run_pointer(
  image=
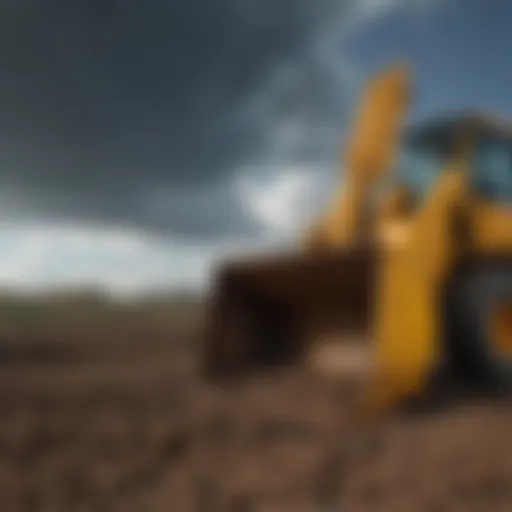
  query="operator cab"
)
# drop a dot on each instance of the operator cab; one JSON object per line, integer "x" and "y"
{"x": 428, "y": 148}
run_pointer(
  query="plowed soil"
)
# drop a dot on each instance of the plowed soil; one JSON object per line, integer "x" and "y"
{"x": 102, "y": 425}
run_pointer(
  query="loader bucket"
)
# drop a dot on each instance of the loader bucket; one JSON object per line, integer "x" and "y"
{"x": 269, "y": 311}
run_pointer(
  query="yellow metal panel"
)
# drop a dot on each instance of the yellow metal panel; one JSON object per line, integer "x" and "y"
{"x": 369, "y": 152}
{"x": 491, "y": 227}
{"x": 407, "y": 324}
{"x": 372, "y": 144}
{"x": 392, "y": 216}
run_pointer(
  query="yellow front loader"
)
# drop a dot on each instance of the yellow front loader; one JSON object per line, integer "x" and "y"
{"x": 415, "y": 251}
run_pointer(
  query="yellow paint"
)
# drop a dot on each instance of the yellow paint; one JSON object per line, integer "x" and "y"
{"x": 391, "y": 223}
{"x": 418, "y": 245}
{"x": 372, "y": 144}
{"x": 369, "y": 153}
{"x": 491, "y": 227}
{"x": 407, "y": 324}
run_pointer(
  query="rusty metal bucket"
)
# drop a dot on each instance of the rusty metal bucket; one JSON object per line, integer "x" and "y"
{"x": 270, "y": 311}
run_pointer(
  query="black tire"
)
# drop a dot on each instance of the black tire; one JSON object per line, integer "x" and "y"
{"x": 470, "y": 350}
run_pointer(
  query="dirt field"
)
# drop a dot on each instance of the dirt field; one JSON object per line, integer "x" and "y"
{"x": 111, "y": 416}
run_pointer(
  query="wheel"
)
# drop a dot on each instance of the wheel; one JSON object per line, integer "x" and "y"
{"x": 478, "y": 323}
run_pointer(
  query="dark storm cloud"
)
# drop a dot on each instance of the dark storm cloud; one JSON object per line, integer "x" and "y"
{"x": 103, "y": 103}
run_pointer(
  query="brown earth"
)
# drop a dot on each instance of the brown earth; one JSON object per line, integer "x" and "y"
{"x": 118, "y": 420}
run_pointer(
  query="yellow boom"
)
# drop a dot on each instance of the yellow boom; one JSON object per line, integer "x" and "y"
{"x": 369, "y": 152}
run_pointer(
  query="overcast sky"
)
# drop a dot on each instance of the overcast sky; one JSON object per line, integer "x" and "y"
{"x": 141, "y": 140}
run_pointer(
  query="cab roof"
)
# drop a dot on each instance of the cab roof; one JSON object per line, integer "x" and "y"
{"x": 447, "y": 126}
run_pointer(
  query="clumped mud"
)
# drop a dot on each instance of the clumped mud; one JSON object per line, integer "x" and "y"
{"x": 103, "y": 425}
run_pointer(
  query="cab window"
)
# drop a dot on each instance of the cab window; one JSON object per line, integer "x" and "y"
{"x": 422, "y": 159}
{"x": 419, "y": 168}
{"x": 491, "y": 174}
